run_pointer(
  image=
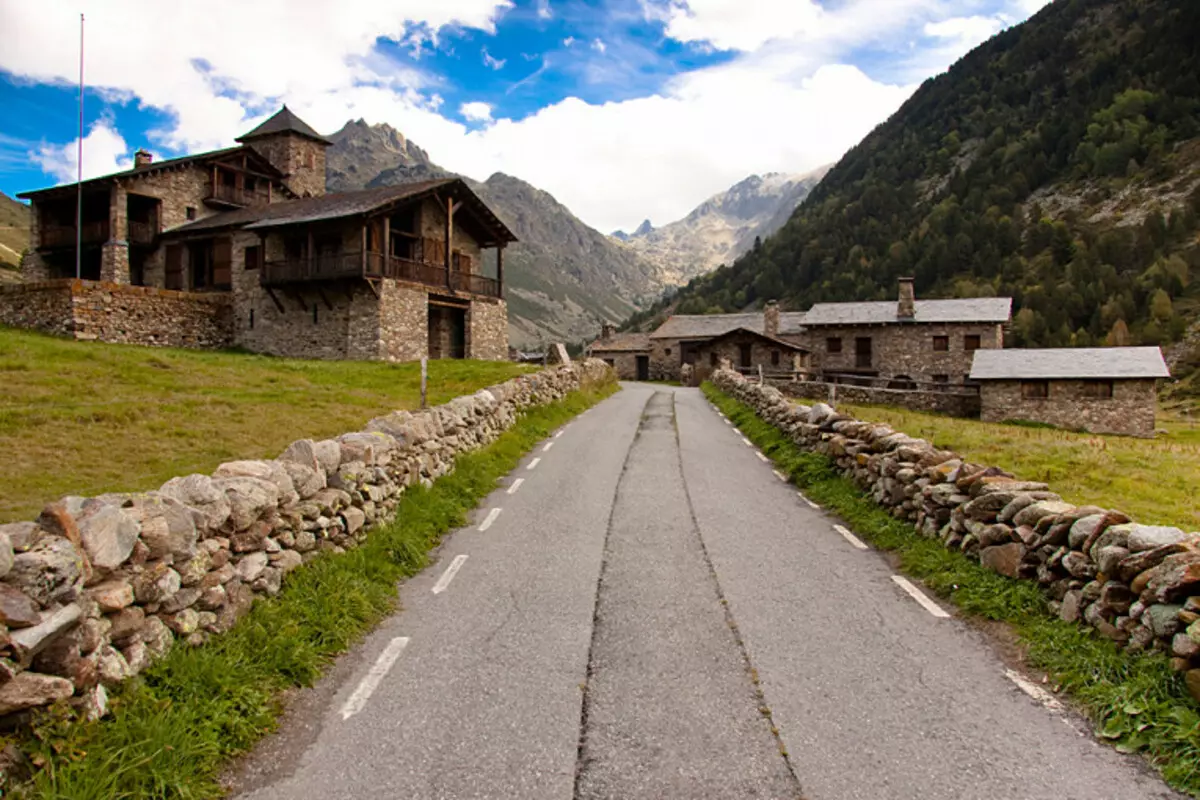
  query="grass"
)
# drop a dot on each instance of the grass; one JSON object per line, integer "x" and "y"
{"x": 1152, "y": 480}
{"x": 88, "y": 418}
{"x": 174, "y": 728}
{"x": 1137, "y": 702}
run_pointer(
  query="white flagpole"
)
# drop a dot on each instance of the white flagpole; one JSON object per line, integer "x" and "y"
{"x": 79, "y": 168}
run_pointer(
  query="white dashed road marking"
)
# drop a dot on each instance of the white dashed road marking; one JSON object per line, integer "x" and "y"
{"x": 850, "y": 537}
{"x": 761, "y": 456}
{"x": 727, "y": 422}
{"x": 780, "y": 475}
{"x": 1033, "y": 690}
{"x": 811, "y": 504}
{"x": 548, "y": 446}
{"x": 534, "y": 463}
{"x": 747, "y": 442}
{"x": 515, "y": 485}
{"x": 489, "y": 519}
{"x": 449, "y": 574}
{"x": 560, "y": 433}
{"x": 916, "y": 594}
{"x": 369, "y": 683}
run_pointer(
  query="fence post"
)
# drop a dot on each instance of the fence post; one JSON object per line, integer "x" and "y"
{"x": 833, "y": 395}
{"x": 760, "y": 375}
{"x": 424, "y": 379}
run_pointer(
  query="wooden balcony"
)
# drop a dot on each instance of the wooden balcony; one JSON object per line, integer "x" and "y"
{"x": 374, "y": 266}
{"x": 222, "y": 195}
{"x": 64, "y": 235}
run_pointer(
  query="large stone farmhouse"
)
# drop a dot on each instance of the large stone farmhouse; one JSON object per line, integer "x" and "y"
{"x": 243, "y": 247}
{"x": 902, "y": 342}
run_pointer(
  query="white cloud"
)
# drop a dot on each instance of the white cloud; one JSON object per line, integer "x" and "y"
{"x": 476, "y": 112}
{"x": 599, "y": 46}
{"x": 567, "y": 42}
{"x": 104, "y": 152}
{"x": 543, "y": 9}
{"x": 967, "y": 30}
{"x": 492, "y": 62}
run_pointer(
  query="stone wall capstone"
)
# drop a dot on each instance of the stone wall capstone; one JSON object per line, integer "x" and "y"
{"x": 1138, "y": 585}
{"x": 97, "y": 588}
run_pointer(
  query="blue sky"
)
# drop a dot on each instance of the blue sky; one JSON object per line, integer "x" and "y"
{"x": 623, "y": 109}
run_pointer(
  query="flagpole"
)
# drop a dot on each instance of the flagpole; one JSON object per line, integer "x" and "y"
{"x": 79, "y": 168}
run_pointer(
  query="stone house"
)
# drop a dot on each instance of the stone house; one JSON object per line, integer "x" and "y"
{"x": 900, "y": 344}
{"x": 905, "y": 342}
{"x": 748, "y": 351}
{"x": 1099, "y": 389}
{"x": 627, "y": 353}
{"x": 245, "y": 241}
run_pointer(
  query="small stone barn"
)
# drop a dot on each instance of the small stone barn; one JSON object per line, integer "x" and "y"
{"x": 1101, "y": 389}
{"x": 627, "y": 353}
{"x": 749, "y": 350}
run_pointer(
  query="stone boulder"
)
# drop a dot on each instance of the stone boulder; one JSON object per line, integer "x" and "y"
{"x": 16, "y": 609}
{"x": 269, "y": 471}
{"x": 248, "y": 498}
{"x": 50, "y": 571}
{"x": 1003, "y": 558}
{"x": 201, "y": 493}
{"x": 1149, "y": 537}
{"x": 1042, "y": 508}
{"x": 31, "y": 689}
{"x": 108, "y": 535}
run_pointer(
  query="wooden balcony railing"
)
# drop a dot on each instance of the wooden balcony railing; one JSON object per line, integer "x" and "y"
{"x": 226, "y": 195}
{"x": 375, "y": 265}
{"x": 64, "y": 235}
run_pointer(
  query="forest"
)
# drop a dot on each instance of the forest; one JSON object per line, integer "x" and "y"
{"x": 1058, "y": 163}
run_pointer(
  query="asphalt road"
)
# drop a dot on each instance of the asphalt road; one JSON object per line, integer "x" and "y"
{"x": 644, "y": 610}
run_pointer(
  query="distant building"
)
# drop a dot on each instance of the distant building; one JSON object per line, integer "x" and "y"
{"x": 1101, "y": 389}
{"x": 627, "y": 353}
{"x": 901, "y": 343}
{"x": 242, "y": 246}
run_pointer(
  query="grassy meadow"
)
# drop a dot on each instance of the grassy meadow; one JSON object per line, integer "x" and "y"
{"x": 87, "y": 418}
{"x": 1153, "y": 480}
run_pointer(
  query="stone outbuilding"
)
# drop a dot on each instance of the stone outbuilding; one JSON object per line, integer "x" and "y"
{"x": 627, "y": 353}
{"x": 243, "y": 247}
{"x": 1100, "y": 389}
{"x": 749, "y": 351}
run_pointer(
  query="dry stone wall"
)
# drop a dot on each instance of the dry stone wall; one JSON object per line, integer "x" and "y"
{"x": 1138, "y": 585}
{"x": 97, "y": 588}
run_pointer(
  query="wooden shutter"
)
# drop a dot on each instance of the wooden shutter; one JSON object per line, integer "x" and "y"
{"x": 464, "y": 263}
{"x": 222, "y": 263}
{"x": 174, "y": 268}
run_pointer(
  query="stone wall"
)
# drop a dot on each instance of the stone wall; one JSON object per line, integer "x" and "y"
{"x": 1129, "y": 411}
{"x": 957, "y": 404}
{"x": 901, "y": 349}
{"x": 97, "y": 588}
{"x": 403, "y": 321}
{"x": 624, "y": 362}
{"x": 109, "y": 312}
{"x": 487, "y": 330}
{"x": 1138, "y": 585}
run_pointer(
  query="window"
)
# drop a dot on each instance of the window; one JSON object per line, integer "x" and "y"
{"x": 775, "y": 358}
{"x": 610, "y": 362}
{"x": 190, "y": 212}
{"x": 310, "y": 160}
{"x": 668, "y": 351}
{"x": 941, "y": 378}
{"x": 253, "y": 257}
{"x": 862, "y": 352}
{"x": 712, "y": 358}
{"x": 745, "y": 354}
{"x": 971, "y": 342}
{"x": 833, "y": 345}
{"x": 316, "y": 320}
{"x": 941, "y": 344}
{"x": 1035, "y": 390}
{"x": 1098, "y": 390}
{"x": 252, "y": 319}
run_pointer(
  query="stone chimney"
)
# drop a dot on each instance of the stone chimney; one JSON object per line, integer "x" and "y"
{"x": 142, "y": 158}
{"x": 607, "y": 331}
{"x": 771, "y": 319}
{"x": 907, "y": 307}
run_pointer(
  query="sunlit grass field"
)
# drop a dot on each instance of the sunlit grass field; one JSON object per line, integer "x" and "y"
{"x": 86, "y": 418}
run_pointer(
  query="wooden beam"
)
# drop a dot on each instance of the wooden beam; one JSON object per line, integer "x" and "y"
{"x": 500, "y": 267}
{"x": 387, "y": 241}
{"x": 449, "y": 241}
{"x": 274, "y": 299}
{"x": 299, "y": 295}
{"x": 374, "y": 289}
{"x": 321, "y": 293}
{"x": 308, "y": 254}
{"x": 364, "y": 247}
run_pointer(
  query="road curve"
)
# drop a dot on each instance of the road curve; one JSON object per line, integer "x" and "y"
{"x": 643, "y": 609}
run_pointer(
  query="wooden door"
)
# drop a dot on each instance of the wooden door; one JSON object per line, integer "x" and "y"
{"x": 643, "y": 368}
{"x": 862, "y": 352}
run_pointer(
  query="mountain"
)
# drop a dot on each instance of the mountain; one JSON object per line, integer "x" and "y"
{"x": 1058, "y": 162}
{"x": 723, "y": 227}
{"x": 564, "y": 279}
{"x": 361, "y": 151}
{"x": 14, "y": 236}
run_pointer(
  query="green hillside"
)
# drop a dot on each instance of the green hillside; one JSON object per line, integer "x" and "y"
{"x": 14, "y": 236}
{"x": 1056, "y": 163}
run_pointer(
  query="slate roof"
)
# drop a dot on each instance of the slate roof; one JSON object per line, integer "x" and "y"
{"x": 621, "y": 342}
{"x": 974, "y": 309}
{"x": 340, "y": 205}
{"x": 283, "y": 121}
{"x": 708, "y": 326}
{"x": 1069, "y": 362}
{"x": 155, "y": 166}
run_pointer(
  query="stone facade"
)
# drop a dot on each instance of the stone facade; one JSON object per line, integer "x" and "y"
{"x": 1074, "y": 404}
{"x": 403, "y": 322}
{"x": 487, "y": 330}
{"x": 97, "y": 589}
{"x": 763, "y": 353}
{"x": 112, "y": 312}
{"x": 1138, "y": 585}
{"x": 299, "y": 158}
{"x": 901, "y": 349}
